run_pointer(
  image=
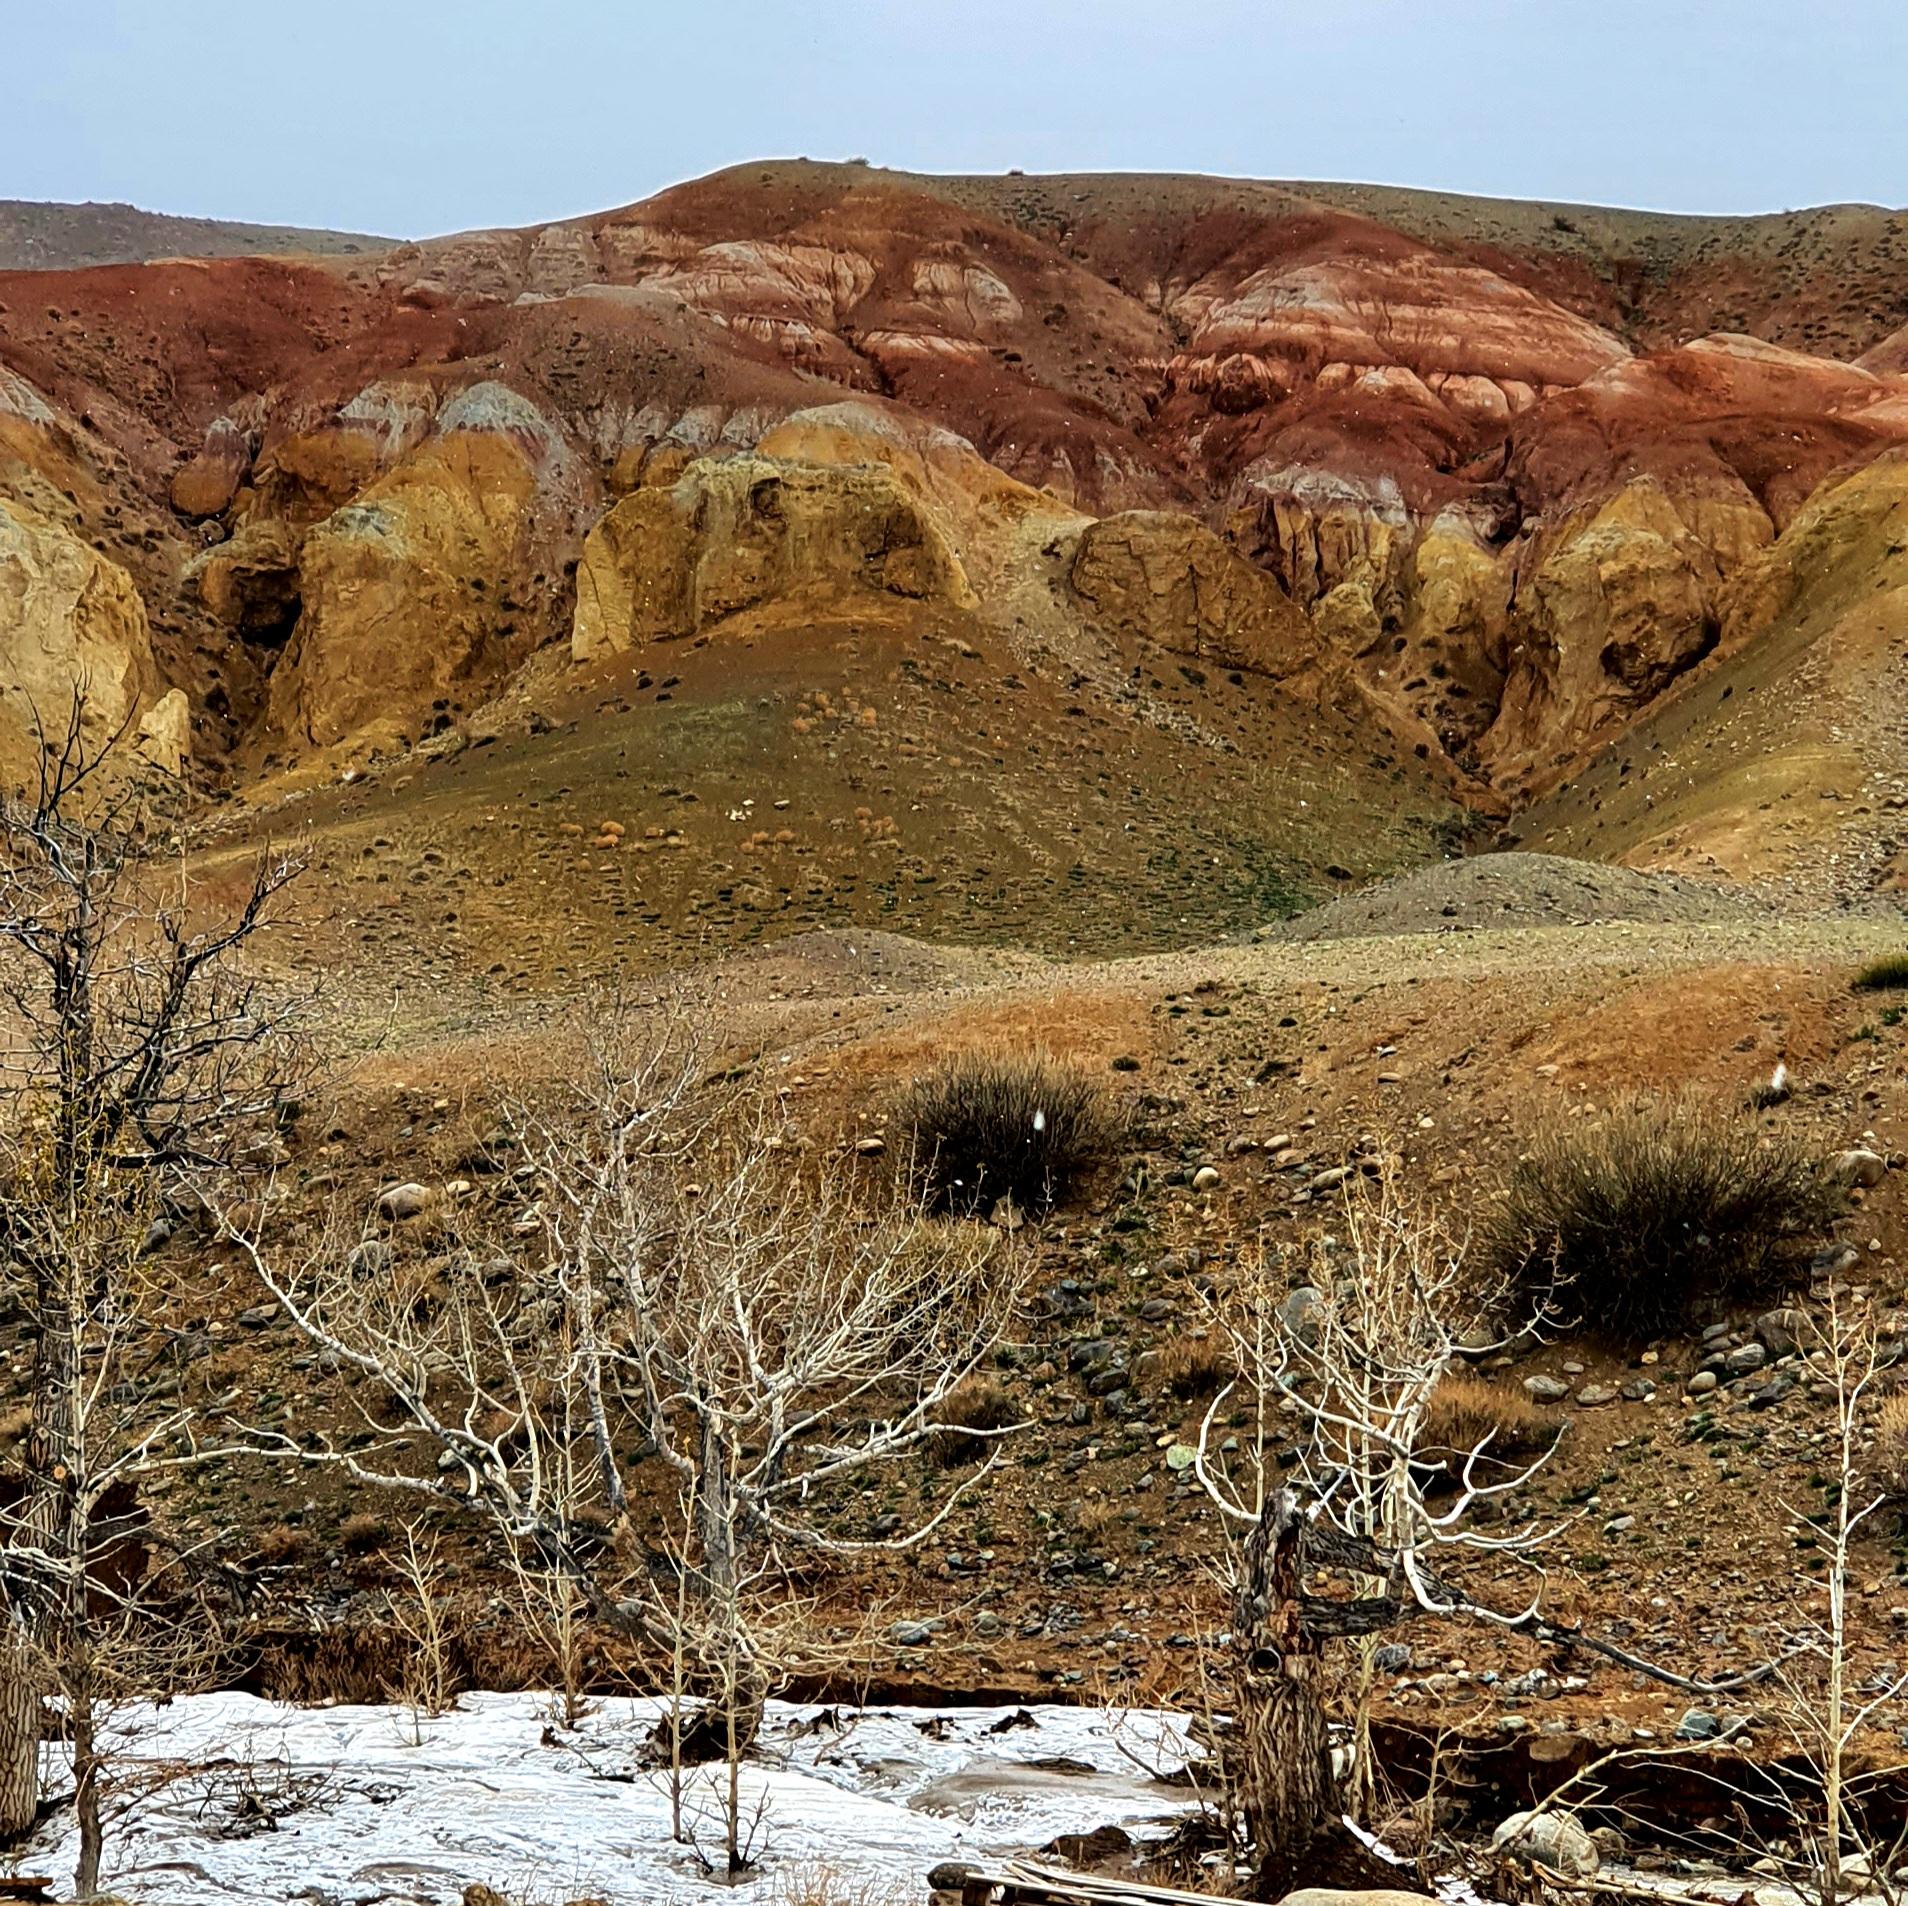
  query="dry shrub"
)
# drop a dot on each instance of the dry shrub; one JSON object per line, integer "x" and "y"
{"x": 362, "y": 1534}
{"x": 992, "y": 1125}
{"x": 1662, "y": 1211}
{"x": 816, "y": 1883}
{"x": 976, "y": 1405}
{"x": 1891, "y": 1447}
{"x": 1889, "y": 974}
{"x": 1465, "y": 1409}
{"x": 283, "y": 1544}
{"x": 1195, "y": 1367}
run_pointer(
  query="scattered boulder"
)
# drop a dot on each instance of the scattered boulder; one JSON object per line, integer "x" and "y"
{"x": 1777, "y": 1330}
{"x": 1545, "y": 1389}
{"x": 1556, "y": 1840}
{"x": 1858, "y": 1167}
{"x": 207, "y": 485}
{"x": 370, "y": 1257}
{"x": 403, "y": 1201}
{"x": 1088, "y": 1849}
{"x": 1300, "y": 1313}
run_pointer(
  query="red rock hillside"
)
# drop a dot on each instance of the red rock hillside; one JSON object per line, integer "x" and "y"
{"x": 1517, "y": 478}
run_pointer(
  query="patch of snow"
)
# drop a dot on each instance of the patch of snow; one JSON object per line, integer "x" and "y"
{"x": 346, "y": 1806}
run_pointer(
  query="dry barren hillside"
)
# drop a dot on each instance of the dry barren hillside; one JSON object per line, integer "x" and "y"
{"x": 37, "y": 236}
{"x": 1365, "y": 675}
{"x": 1474, "y": 495}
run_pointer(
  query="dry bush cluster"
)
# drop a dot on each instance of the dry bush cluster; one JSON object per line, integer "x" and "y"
{"x": 1465, "y": 1409}
{"x": 1889, "y": 974}
{"x": 1657, "y": 1214}
{"x": 974, "y": 1415}
{"x": 1196, "y": 1367}
{"x": 992, "y": 1125}
{"x": 1890, "y": 1459}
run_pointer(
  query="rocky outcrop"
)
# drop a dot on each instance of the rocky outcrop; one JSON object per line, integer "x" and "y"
{"x": 207, "y": 485}
{"x": 1454, "y": 450}
{"x": 1168, "y": 580}
{"x": 1393, "y": 323}
{"x": 432, "y": 581}
{"x": 72, "y": 623}
{"x": 1611, "y": 606}
{"x": 734, "y": 533}
{"x": 1841, "y": 546}
{"x": 307, "y": 473}
{"x": 250, "y": 581}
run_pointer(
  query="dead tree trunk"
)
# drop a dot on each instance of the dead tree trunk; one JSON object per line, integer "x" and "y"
{"x": 1288, "y": 1792}
{"x": 738, "y": 1691}
{"x": 45, "y": 1521}
{"x": 19, "y": 1731}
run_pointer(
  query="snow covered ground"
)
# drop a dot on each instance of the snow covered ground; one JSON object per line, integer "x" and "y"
{"x": 249, "y": 1801}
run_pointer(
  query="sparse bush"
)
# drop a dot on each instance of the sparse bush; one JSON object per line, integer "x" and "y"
{"x": 1465, "y": 1409}
{"x": 1889, "y": 974}
{"x": 975, "y": 1406}
{"x": 996, "y": 1125}
{"x": 818, "y": 1884}
{"x": 1195, "y": 1367}
{"x": 1890, "y": 1459}
{"x": 362, "y": 1534}
{"x": 1637, "y": 1222}
{"x": 282, "y": 1544}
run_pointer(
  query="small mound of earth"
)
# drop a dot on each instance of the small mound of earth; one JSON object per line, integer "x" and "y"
{"x": 1517, "y": 890}
{"x": 835, "y": 962}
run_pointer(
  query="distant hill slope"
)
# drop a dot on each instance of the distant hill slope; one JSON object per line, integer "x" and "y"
{"x": 1585, "y": 523}
{"x": 36, "y": 236}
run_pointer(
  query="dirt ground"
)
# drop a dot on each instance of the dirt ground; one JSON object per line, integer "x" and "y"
{"x": 1085, "y": 1563}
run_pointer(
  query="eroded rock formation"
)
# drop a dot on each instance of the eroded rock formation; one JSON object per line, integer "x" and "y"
{"x": 1168, "y": 580}
{"x": 1503, "y": 476}
{"x": 733, "y": 533}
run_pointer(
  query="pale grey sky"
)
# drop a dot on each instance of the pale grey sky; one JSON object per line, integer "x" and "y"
{"x": 416, "y": 116}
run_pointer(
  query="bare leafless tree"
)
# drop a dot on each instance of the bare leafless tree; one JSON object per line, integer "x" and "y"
{"x": 721, "y": 1329}
{"x": 142, "y": 1057}
{"x": 1366, "y": 1529}
{"x": 1821, "y": 1703}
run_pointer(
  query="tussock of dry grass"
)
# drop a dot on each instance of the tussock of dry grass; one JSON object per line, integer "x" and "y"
{"x": 1195, "y": 1368}
{"x": 820, "y": 1884}
{"x": 1656, "y": 1214}
{"x": 1889, "y": 974}
{"x": 1890, "y": 1458}
{"x": 364, "y": 1534}
{"x": 976, "y": 1405}
{"x": 986, "y": 1126}
{"x": 1465, "y": 1408}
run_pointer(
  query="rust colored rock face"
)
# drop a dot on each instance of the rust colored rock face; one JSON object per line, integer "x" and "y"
{"x": 1169, "y": 580}
{"x": 737, "y": 532}
{"x": 207, "y": 485}
{"x": 1478, "y": 457}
